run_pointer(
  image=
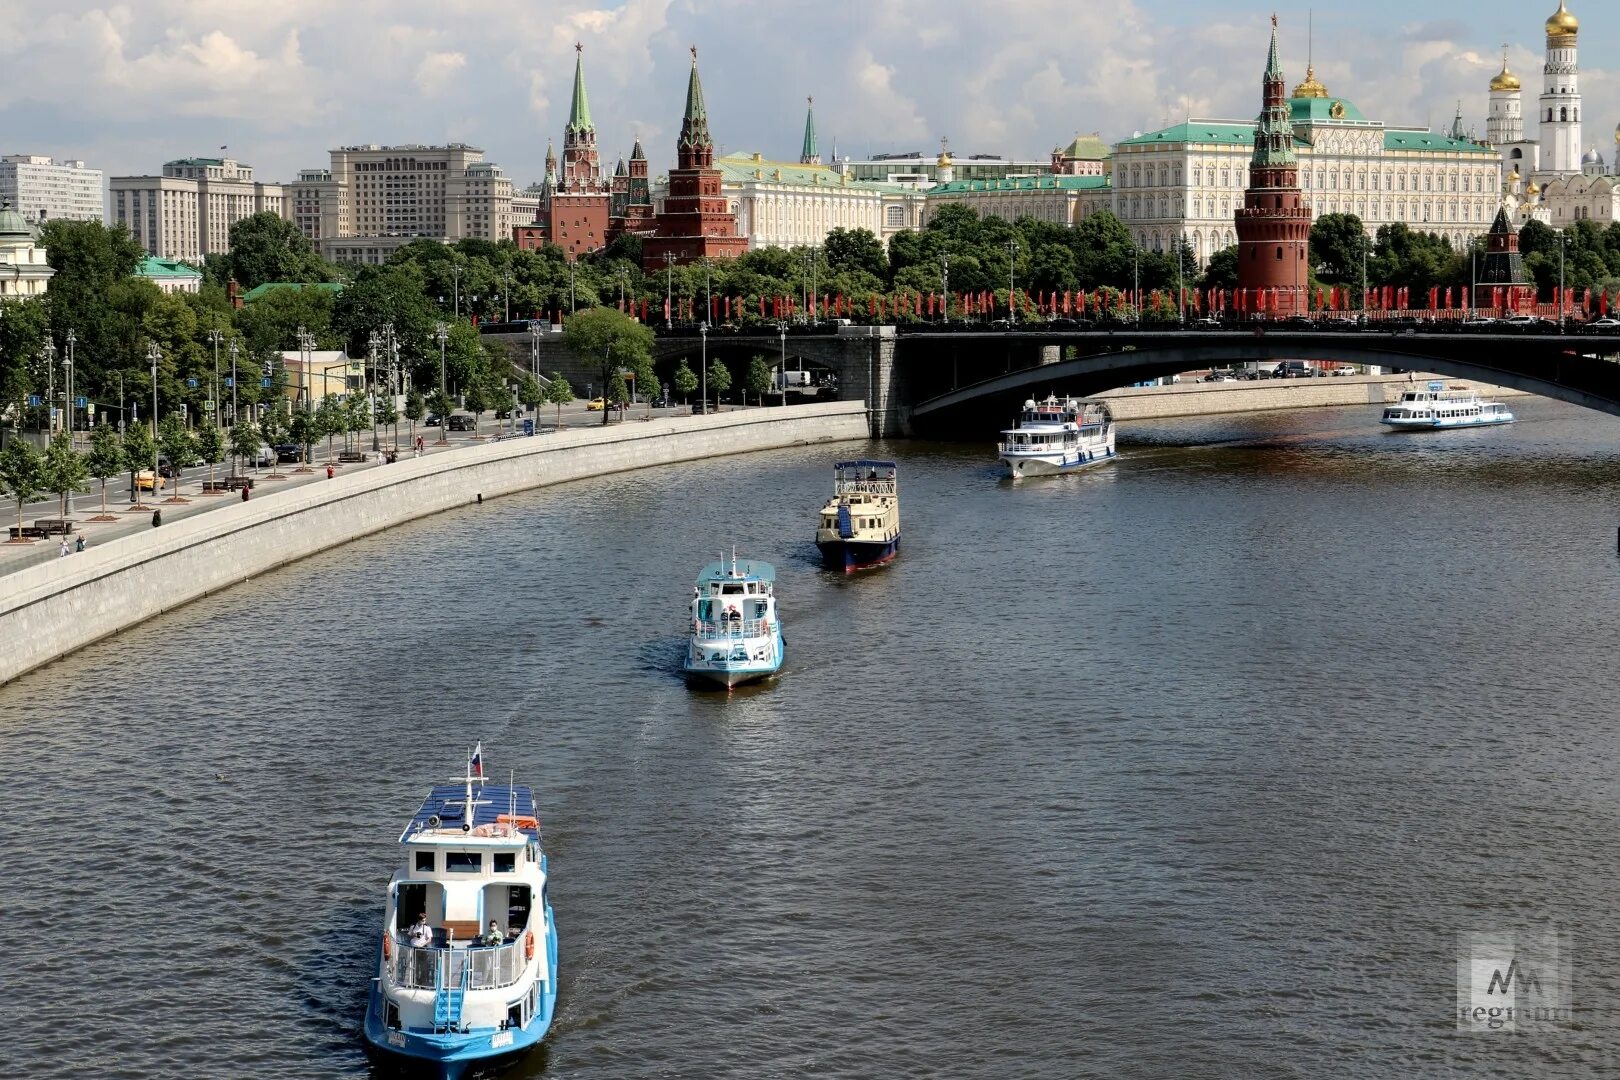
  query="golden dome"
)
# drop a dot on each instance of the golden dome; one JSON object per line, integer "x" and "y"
{"x": 1505, "y": 79}
{"x": 1513, "y": 177}
{"x": 1617, "y": 133}
{"x": 1310, "y": 88}
{"x": 1561, "y": 23}
{"x": 1533, "y": 190}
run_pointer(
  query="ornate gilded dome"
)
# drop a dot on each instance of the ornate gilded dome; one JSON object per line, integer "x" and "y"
{"x": 1533, "y": 190}
{"x": 1310, "y": 88}
{"x": 1617, "y": 133}
{"x": 1561, "y": 23}
{"x": 1505, "y": 79}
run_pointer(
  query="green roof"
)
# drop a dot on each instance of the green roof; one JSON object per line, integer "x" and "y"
{"x": 579, "y": 111}
{"x": 1022, "y": 183}
{"x": 1198, "y": 131}
{"x": 333, "y": 287}
{"x": 1315, "y": 110}
{"x": 153, "y": 267}
{"x": 742, "y": 167}
{"x": 1086, "y": 148}
{"x": 196, "y": 161}
{"x": 1428, "y": 140}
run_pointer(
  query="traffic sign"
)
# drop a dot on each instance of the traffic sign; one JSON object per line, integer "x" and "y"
{"x": 33, "y": 400}
{"x": 90, "y": 408}
{"x": 229, "y": 382}
{"x": 265, "y": 383}
{"x": 208, "y": 406}
{"x": 79, "y": 403}
{"x": 191, "y": 383}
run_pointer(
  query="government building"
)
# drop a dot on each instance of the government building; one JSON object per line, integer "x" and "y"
{"x": 44, "y": 189}
{"x": 187, "y": 210}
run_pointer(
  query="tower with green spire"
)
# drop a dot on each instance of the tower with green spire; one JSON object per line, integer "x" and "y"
{"x": 695, "y": 150}
{"x": 581, "y": 166}
{"x": 810, "y": 154}
{"x": 697, "y": 222}
{"x": 1274, "y": 224}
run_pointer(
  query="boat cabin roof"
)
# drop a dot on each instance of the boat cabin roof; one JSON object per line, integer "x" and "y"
{"x": 491, "y": 802}
{"x": 864, "y": 463}
{"x": 747, "y": 570}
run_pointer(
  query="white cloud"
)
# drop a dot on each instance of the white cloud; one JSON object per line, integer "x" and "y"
{"x": 436, "y": 70}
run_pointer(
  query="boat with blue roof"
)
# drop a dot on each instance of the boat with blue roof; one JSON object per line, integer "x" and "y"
{"x": 735, "y": 635}
{"x": 860, "y": 524}
{"x": 467, "y": 969}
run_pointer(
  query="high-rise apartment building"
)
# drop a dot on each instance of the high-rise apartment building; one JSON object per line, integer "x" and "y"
{"x": 374, "y": 199}
{"x": 42, "y": 188}
{"x": 187, "y": 211}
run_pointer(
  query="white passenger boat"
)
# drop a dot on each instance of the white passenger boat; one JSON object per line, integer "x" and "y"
{"x": 1437, "y": 407}
{"x": 735, "y": 635}
{"x": 860, "y": 524}
{"x": 1056, "y": 435}
{"x": 467, "y": 971}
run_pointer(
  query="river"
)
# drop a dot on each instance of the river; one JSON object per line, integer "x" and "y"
{"x": 1193, "y": 765}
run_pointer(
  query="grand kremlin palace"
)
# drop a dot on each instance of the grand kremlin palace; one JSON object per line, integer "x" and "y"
{"x": 1188, "y": 180}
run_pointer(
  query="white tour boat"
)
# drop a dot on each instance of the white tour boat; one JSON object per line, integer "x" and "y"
{"x": 1437, "y": 407}
{"x": 735, "y": 634}
{"x": 1056, "y": 435}
{"x": 467, "y": 971}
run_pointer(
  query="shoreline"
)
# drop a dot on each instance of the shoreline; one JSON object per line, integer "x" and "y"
{"x": 1267, "y": 395}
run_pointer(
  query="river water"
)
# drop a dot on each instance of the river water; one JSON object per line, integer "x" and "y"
{"x": 1193, "y": 765}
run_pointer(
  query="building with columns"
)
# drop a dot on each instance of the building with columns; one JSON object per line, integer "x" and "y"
{"x": 792, "y": 204}
{"x": 186, "y": 212}
{"x": 24, "y": 270}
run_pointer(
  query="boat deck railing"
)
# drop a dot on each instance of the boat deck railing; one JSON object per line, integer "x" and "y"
{"x": 868, "y": 487}
{"x": 483, "y": 967}
{"x": 732, "y": 629}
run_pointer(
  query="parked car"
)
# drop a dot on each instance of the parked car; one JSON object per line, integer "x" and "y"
{"x": 596, "y": 404}
{"x": 1604, "y": 324}
{"x": 432, "y": 420}
{"x": 1291, "y": 369}
{"x": 287, "y": 453}
{"x": 263, "y": 456}
{"x": 1220, "y": 375}
{"x": 1345, "y": 369}
{"x": 460, "y": 422}
{"x": 660, "y": 402}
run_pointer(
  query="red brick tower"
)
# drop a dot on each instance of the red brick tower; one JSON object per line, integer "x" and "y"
{"x": 696, "y": 222}
{"x": 1274, "y": 224}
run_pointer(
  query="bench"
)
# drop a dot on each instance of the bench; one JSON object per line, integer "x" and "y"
{"x": 465, "y": 929}
{"x": 351, "y": 457}
{"x": 216, "y": 487}
{"x": 28, "y": 532}
{"x": 54, "y": 526}
{"x": 237, "y": 483}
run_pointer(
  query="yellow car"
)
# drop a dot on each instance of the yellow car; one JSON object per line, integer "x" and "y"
{"x": 596, "y": 404}
{"x": 143, "y": 481}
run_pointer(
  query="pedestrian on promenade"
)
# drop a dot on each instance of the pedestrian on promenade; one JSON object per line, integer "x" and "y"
{"x": 157, "y": 518}
{"x": 79, "y": 545}
{"x": 419, "y": 446}
{"x": 329, "y": 472}
{"x": 65, "y": 548}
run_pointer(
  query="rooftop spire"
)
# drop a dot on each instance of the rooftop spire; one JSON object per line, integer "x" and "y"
{"x": 579, "y": 113}
{"x": 810, "y": 154}
{"x": 695, "y": 125}
{"x": 1273, "y": 64}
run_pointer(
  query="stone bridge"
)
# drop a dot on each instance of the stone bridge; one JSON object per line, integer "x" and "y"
{"x": 929, "y": 381}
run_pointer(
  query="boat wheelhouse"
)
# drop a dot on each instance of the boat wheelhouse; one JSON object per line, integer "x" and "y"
{"x": 860, "y": 524}
{"x": 467, "y": 970}
{"x": 1437, "y": 407}
{"x": 735, "y": 635}
{"x": 1056, "y": 435}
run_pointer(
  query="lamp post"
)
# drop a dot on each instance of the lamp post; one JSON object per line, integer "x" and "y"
{"x": 1364, "y": 249}
{"x": 669, "y": 288}
{"x": 72, "y": 398}
{"x": 1181, "y": 292}
{"x": 153, "y": 353}
{"x": 441, "y": 334}
{"x": 624, "y": 283}
{"x": 233, "y": 381}
{"x": 47, "y": 353}
{"x": 456, "y": 272}
{"x": 781, "y": 336}
{"x": 1563, "y": 243}
{"x": 703, "y": 366}
{"x": 372, "y": 341}
{"x": 216, "y": 336}
{"x": 708, "y": 293}
{"x": 534, "y": 349}
{"x": 306, "y": 388}
{"x": 508, "y": 295}
{"x": 571, "y": 286}
{"x": 1012, "y": 308}
{"x": 1136, "y": 280}
{"x": 944, "y": 286}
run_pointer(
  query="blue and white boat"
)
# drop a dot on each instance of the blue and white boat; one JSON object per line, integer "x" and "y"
{"x": 1057, "y": 435}
{"x": 860, "y": 524}
{"x": 1436, "y": 407}
{"x": 735, "y": 635}
{"x": 467, "y": 971}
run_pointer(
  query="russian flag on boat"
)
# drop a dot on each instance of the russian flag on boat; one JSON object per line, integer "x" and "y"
{"x": 476, "y": 766}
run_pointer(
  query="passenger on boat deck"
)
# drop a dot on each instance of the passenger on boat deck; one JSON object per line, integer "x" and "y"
{"x": 493, "y": 936}
{"x": 421, "y": 932}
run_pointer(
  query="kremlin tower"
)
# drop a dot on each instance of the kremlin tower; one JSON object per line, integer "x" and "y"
{"x": 1274, "y": 224}
{"x": 696, "y": 222}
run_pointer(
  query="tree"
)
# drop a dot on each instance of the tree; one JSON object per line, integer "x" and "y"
{"x": 439, "y": 401}
{"x": 855, "y": 249}
{"x": 330, "y": 420}
{"x": 477, "y": 400}
{"x": 106, "y": 459}
{"x": 267, "y": 247}
{"x": 531, "y": 393}
{"x": 759, "y": 378}
{"x": 559, "y": 393}
{"x": 20, "y": 476}
{"x": 415, "y": 409}
{"x": 211, "y": 447}
{"x": 177, "y": 443}
{"x": 244, "y": 444}
{"x": 1338, "y": 243}
{"x": 305, "y": 430}
{"x": 719, "y": 379}
{"x": 614, "y": 340}
{"x": 140, "y": 452}
{"x": 1221, "y": 272}
{"x": 62, "y": 469}
{"x": 388, "y": 414}
{"x": 685, "y": 382}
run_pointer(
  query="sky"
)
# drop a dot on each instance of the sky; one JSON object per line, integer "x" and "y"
{"x": 127, "y": 86}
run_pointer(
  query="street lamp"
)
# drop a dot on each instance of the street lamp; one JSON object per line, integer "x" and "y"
{"x": 945, "y": 287}
{"x": 1136, "y": 279}
{"x": 571, "y": 286}
{"x": 1012, "y": 308}
{"x": 47, "y": 353}
{"x": 1563, "y": 244}
{"x": 456, "y": 272}
{"x": 669, "y": 288}
{"x": 233, "y": 381}
{"x": 534, "y": 349}
{"x": 781, "y": 336}
{"x": 441, "y": 334}
{"x": 153, "y": 353}
{"x": 703, "y": 367}
{"x": 216, "y": 336}
{"x": 71, "y": 397}
{"x": 376, "y": 444}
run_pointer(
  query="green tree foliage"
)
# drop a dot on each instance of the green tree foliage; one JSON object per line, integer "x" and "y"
{"x": 62, "y": 469}
{"x": 177, "y": 444}
{"x": 245, "y": 442}
{"x": 106, "y": 457}
{"x": 210, "y": 445}
{"x": 685, "y": 381}
{"x": 759, "y": 378}
{"x": 531, "y": 393}
{"x": 856, "y": 251}
{"x": 478, "y": 398}
{"x": 1221, "y": 272}
{"x": 140, "y": 450}
{"x": 304, "y": 429}
{"x": 614, "y": 340}
{"x": 21, "y": 474}
{"x": 559, "y": 393}
{"x": 330, "y": 419}
{"x": 267, "y": 247}
{"x": 719, "y": 377}
{"x": 617, "y": 394}
{"x": 415, "y": 409}
{"x": 1338, "y": 242}
{"x": 23, "y": 330}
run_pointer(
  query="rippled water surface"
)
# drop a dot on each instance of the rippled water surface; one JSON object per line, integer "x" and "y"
{"x": 1193, "y": 765}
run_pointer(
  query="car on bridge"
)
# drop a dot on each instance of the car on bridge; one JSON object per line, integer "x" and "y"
{"x": 1603, "y": 324}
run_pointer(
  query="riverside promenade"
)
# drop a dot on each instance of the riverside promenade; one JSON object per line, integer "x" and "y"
{"x": 51, "y": 608}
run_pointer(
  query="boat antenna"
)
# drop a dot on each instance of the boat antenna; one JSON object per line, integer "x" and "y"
{"x": 511, "y": 799}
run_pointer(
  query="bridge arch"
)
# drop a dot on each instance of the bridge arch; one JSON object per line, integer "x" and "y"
{"x": 1546, "y": 367}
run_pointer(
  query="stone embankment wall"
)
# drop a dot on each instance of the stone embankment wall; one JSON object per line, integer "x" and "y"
{"x": 1209, "y": 399}
{"x": 50, "y": 609}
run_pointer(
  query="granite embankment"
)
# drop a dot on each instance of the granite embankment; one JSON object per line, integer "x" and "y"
{"x": 1208, "y": 399}
{"x": 49, "y": 610}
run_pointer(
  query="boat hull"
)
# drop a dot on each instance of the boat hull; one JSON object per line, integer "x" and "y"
{"x": 731, "y": 673}
{"x": 1018, "y": 466}
{"x": 852, "y": 555}
{"x": 1444, "y": 425}
{"x": 452, "y": 1054}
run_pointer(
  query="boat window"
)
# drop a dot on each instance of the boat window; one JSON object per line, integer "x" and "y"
{"x": 463, "y": 862}
{"x": 424, "y": 862}
{"x": 505, "y": 862}
{"x": 730, "y": 590}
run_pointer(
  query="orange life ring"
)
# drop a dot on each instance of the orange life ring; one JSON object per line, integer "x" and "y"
{"x": 528, "y": 945}
{"x": 388, "y": 948}
{"x": 519, "y": 821}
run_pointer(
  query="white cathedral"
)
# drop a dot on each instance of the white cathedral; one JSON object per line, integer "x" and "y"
{"x": 1548, "y": 178}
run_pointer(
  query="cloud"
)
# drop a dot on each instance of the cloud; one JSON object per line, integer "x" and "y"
{"x": 436, "y": 70}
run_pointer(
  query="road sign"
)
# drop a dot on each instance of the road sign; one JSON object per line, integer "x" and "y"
{"x": 33, "y": 400}
{"x": 528, "y": 426}
{"x": 229, "y": 382}
{"x": 265, "y": 382}
{"x": 191, "y": 383}
{"x": 90, "y": 408}
{"x": 208, "y": 406}
{"x": 79, "y": 403}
